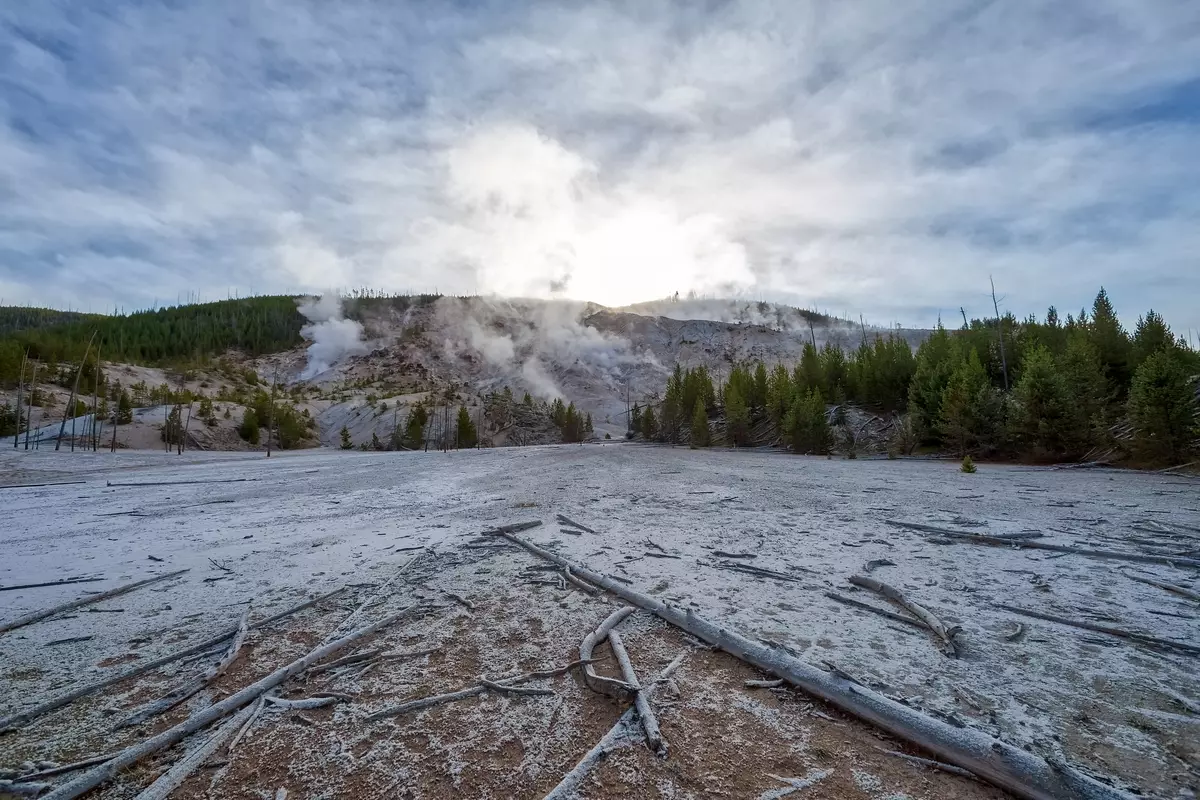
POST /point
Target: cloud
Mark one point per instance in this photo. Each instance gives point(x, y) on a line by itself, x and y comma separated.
point(853, 157)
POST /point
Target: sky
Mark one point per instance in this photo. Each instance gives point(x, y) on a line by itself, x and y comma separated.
point(865, 157)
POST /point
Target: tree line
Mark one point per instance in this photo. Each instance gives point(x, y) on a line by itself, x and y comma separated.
point(1045, 390)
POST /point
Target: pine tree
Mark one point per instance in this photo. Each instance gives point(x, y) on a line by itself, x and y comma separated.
point(758, 400)
point(527, 400)
point(699, 433)
point(124, 409)
point(1162, 407)
point(649, 424)
point(937, 359)
point(737, 417)
point(806, 426)
point(635, 419)
point(1043, 407)
point(1083, 378)
point(346, 442)
point(1151, 336)
point(465, 434)
point(414, 427)
point(375, 443)
point(1112, 345)
point(971, 409)
point(248, 429)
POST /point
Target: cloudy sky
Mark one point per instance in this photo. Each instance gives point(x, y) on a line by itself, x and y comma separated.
point(865, 157)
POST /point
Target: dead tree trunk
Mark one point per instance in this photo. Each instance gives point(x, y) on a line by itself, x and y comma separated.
point(69, 412)
point(93, 439)
point(999, 332)
point(20, 392)
point(29, 410)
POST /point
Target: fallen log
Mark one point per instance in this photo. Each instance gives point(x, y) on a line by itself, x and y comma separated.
point(586, 588)
point(38, 616)
point(610, 687)
point(1183, 591)
point(793, 785)
point(24, 717)
point(885, 612)
point(755, 684)
point(515, 527)
point(1022, 773)
point(618, 736)
point(303, 704)
point(930, 620)
point(926, 762)
point(65, 768)
point(22, 788)
point(761, 572)
point(37, 485)
point(181, 483)
point(48, 583)
point(179, 772)
point(196, 722)
point(641, 702)
point(1091, 626)
point(978, 538)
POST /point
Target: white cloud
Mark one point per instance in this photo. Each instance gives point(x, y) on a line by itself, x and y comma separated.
point(874, 157)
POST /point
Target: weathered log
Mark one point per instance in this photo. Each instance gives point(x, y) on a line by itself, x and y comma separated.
point(501, 688)
point(926, 762)
point(38, 616)
point(794, 785)
point(179, 772)
point(24, 717)
point(761, 572)
point(945, 634)
point(978, 538)
point(755, 684)
point(515, 527)
point(22, 788)
point(1091, 626)
point(598, 683)
point(303, 704)
point(1022, 773)
point(196, 722)
point(1183, 591)
point(182, 483)
point(586, 588)
point(48, 583)
point(641, 702)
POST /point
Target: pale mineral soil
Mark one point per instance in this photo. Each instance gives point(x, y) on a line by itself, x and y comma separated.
point(303, 523)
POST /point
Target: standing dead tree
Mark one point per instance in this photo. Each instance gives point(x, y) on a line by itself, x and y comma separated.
point(29, 410)
point(20, 393)
point(999, 332)
point(70, 409)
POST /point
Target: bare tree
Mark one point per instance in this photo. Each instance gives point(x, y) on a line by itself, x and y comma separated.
point(20, 392)
point(29, 410)
point(69, 412)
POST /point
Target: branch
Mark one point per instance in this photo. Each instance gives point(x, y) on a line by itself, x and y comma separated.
point(920, 612)
point(38, 616)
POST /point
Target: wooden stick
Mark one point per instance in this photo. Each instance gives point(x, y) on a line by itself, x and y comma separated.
point(1018, 771)
point(515, 527)
point(303, 704)
point(177, 774)
point(775, 684)
point(617, 736)
point(641, 703)
point(977, 538)
point(920, 612)
point(21, 788)
point(573, 523)
point(38, 616)
point(64, 768)
point(794, 785)
point(24, 717)
point(38, 485)
point(48, 583)
point(1091, 626)
point(761, 572)
point(885, 612)
point(1170, 587)
point(470, 691)
point(182, 483)
point(366, 655)
point(132, 755)
point(598, 683)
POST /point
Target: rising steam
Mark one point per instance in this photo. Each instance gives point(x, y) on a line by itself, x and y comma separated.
point(333, 336)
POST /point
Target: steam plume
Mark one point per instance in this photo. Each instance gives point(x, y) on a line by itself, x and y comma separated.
point(333, 336)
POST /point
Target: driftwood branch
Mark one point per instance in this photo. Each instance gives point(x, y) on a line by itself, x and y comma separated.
point(196, 722)
point(926, 762)
point(794, 785)
point(304, 704)
point(755, 684)
point(22, 788)
point(587, 588)
point(761, 572)
point(641, 702)
point(515, 527)
point(930, 620)
point(25, 717)
point(978, 538)
point(598, 683)
point(1091, 626)
point(1024, 774)
point(505, 689)
point(38, 616)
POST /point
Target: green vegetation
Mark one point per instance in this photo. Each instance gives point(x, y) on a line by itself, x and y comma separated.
point(465, 435)
point(248, 430)
point(1078, 387)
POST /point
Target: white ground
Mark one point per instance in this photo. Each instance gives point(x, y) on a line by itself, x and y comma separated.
point(313, 521)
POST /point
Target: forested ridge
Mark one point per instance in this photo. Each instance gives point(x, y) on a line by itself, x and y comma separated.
point(1050, 389)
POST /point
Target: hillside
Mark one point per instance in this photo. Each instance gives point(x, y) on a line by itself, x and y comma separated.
point(367, 364)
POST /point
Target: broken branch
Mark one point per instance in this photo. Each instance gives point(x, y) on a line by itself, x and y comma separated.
point(598, 683)
point(641, 703)
point(1091, 626)
point(573, 523)
point(920, 612)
